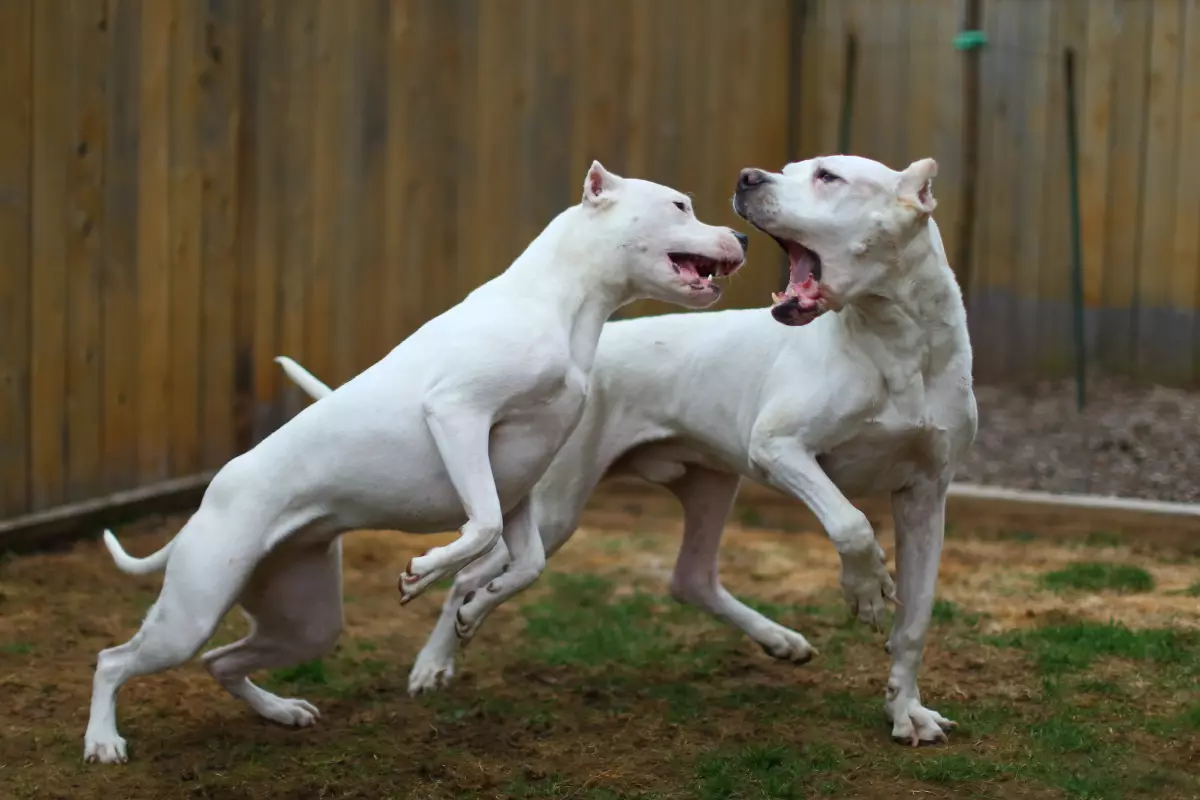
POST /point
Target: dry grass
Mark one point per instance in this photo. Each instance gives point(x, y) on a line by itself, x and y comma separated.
point(593, 685)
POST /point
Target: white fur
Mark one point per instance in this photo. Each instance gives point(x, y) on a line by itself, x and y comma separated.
point(451, 429)
point(874, 399)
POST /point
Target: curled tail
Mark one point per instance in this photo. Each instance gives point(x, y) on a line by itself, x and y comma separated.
point(136, 566)
point(303, 378)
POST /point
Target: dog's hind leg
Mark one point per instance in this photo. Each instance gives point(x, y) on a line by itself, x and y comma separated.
point(294, 602)
point(527, 560)
point(707, 497)
point(202, 582)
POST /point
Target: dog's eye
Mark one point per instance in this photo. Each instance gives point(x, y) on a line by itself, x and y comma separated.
point(825, 176)
point(681, 206)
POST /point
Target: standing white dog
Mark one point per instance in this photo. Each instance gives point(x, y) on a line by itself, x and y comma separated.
point(452, 428)
point(874, 399)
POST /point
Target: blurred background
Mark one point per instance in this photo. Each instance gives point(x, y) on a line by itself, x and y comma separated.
point(189, 188)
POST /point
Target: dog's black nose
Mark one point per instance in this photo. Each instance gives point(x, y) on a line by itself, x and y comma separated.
point(750, 177)
point(743, 240)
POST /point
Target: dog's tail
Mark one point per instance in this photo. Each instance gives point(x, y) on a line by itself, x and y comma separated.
point(136, 566)
point(303, 378)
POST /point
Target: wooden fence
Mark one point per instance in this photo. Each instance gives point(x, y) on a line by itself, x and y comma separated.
point(191, 187)
point(1138, 103)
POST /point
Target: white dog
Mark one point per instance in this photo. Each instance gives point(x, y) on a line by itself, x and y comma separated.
point(452, 428)
point(876, 398)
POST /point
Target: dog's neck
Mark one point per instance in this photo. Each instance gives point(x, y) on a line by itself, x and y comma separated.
point(568, 272)
point(920, 311)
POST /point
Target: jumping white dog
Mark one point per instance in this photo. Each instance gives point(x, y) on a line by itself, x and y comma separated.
point(451, 429)
point(875, 398)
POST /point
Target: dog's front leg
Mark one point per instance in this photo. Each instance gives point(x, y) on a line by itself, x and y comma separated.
point(920, 514)
point(527, 560)
point(787, 466)
point(461, 434)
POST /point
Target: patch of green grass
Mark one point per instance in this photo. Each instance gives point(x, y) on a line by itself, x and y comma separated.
point(1073, 647)
point(1060, 733)
point(859, 709)
point(16, 648)
point(763, 771)
point(581, 623)
point(1099, 577)
point(1193, 590)
point(1184, 722)
point(947, 612)
point(310, 673)
point(948, 768)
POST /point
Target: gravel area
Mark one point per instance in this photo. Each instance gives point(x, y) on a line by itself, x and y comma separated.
point(1129, 441)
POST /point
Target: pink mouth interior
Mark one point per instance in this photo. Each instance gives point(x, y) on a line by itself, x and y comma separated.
point(698, 271)
point(803, 289)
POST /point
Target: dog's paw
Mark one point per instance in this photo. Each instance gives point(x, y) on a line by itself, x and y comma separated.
point(430, 673)
point(912, 723)
point(108, 750)
point(787, 645)
point(867, 586)
point(292, 712)
point(471, 613)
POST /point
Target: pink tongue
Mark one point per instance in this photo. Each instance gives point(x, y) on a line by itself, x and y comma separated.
point(806, 294)
point(688, 271)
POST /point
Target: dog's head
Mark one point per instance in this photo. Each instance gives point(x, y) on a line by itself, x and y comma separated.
point(843, 221)
point(650, 232)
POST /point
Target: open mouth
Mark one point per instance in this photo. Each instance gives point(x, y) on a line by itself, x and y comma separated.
point(801, 302)
point(699, 272)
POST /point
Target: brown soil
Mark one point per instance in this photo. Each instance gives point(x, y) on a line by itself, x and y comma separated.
point(1129, 441)
point(513, 725)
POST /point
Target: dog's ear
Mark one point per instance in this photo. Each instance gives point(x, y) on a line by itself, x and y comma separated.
point(916, 185)
point(598, 184)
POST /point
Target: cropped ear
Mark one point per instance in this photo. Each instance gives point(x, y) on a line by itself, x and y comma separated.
point(916, 185)
point(598, 184)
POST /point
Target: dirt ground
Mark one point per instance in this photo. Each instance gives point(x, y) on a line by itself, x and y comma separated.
point(595, 685)
point(1131, 441)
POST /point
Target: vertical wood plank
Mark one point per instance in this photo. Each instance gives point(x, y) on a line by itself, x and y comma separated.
point(51, 148)
point(947, 68)
point(1095, 123)
point(85, 249)
point(269, 202)
point(121, 348)
point(463, 117)
point(327, 170)
point(1053, 331)
point(1185, 264)
point(995, 237)
point(1160, 168)
point(219, 131)
point(1117, 334)
point(346, 260)
point(16, 155)
point(372, 343)
point(246, 18)
point(401, 284)
point(299, 24)
point(153, 243)
point(184, 180)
